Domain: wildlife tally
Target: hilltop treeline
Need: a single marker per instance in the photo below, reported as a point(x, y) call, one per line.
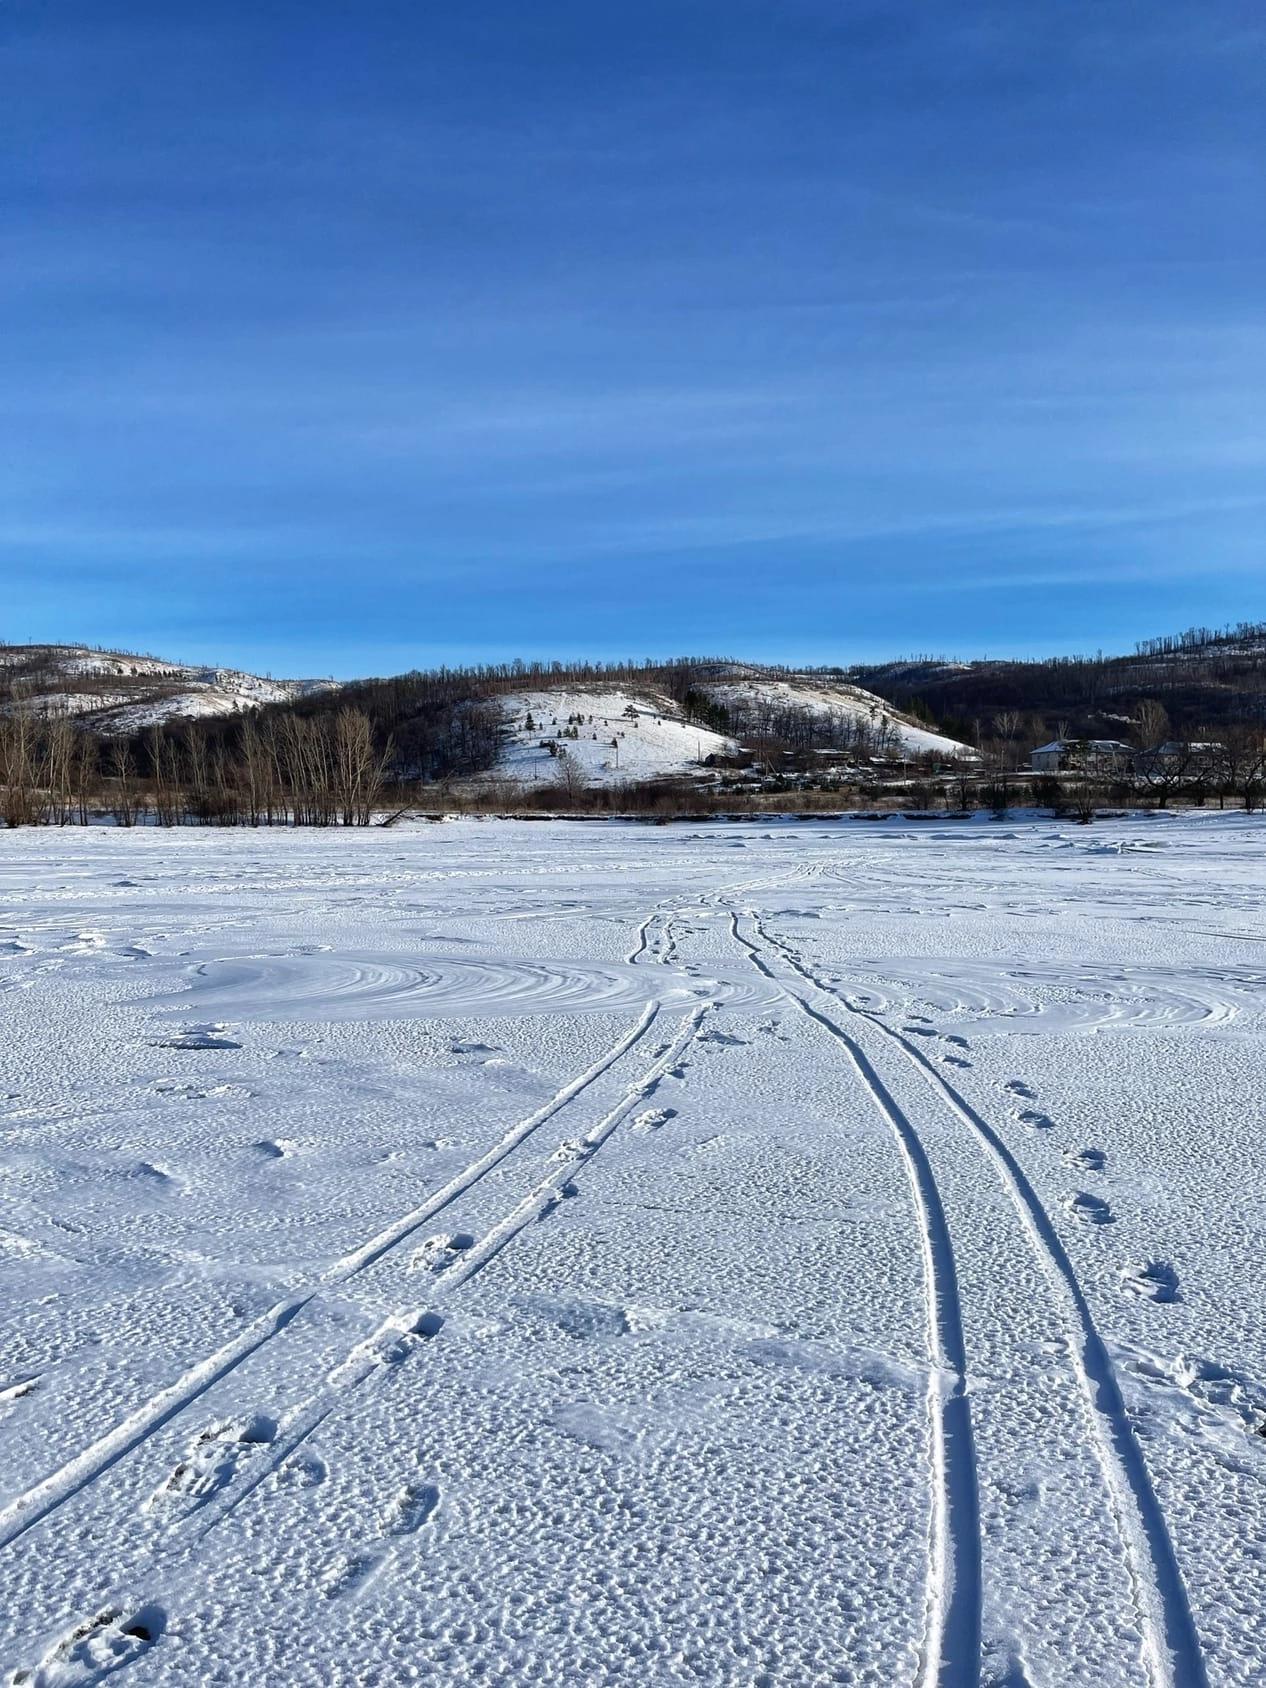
point(1205, 679)
point(1205, 639)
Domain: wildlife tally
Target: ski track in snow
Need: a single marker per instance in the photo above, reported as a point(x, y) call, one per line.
point(36, 1503)
point(393, 1343)
point(1173, 1654)
point(950, 1647)
point(869, 1051)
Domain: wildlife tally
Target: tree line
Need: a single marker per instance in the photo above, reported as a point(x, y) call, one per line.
point(1206, 680)
point(287, 770)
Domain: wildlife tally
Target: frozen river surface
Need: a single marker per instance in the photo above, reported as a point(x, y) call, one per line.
point(592, 1254)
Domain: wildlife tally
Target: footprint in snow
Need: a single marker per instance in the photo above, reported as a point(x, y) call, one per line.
point(1222, 1386)
point(653, 1118)
point(953, 1061)
point(1010, 1674)
point(1091, 1210)
point(150, 1172)
point(212, 1459)
point(199, 1037)
point(391, 1345)
point(1017, 1087)
point(1157, 1280)
point(413, 1507)
point(1035, 1121)
point(17, 1387)
point(96, 1648)
point(1087, 1160)
point(351, 1574)
point(438, 1253)
point(572, 1149)
point(303, 1470)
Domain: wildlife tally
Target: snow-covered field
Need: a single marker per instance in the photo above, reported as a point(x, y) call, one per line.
point(528, 1253)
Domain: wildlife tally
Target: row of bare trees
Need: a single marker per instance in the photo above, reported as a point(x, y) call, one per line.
point(47, 770)
point(325, 770)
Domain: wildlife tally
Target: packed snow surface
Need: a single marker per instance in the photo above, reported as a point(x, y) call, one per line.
point(532, 1253)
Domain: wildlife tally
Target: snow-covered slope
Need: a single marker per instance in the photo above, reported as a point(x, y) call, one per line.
point(115, 692)
point(758, 702)
point(627, 734)
point(615, 732)
point(621, 735)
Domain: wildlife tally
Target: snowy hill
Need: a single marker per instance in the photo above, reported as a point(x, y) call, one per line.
point(821, 707)
point(116, 692)
point(622, 726)
point(614, 734)
point(626, 734)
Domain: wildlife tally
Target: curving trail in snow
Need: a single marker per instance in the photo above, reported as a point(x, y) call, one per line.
point(43, 1497)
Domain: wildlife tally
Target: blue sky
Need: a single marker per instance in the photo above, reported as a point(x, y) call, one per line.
point(347, 337)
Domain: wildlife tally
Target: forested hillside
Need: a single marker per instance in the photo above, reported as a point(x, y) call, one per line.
point(82, 731)
point(1205, 679)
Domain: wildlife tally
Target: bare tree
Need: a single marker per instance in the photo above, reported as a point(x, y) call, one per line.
point(1007, 724)
point(571, 774)
point(1150, 723)
point(1240, 763)
point(359, 769)
point(19, 778)
point(122, 769)
point(1164, 770)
